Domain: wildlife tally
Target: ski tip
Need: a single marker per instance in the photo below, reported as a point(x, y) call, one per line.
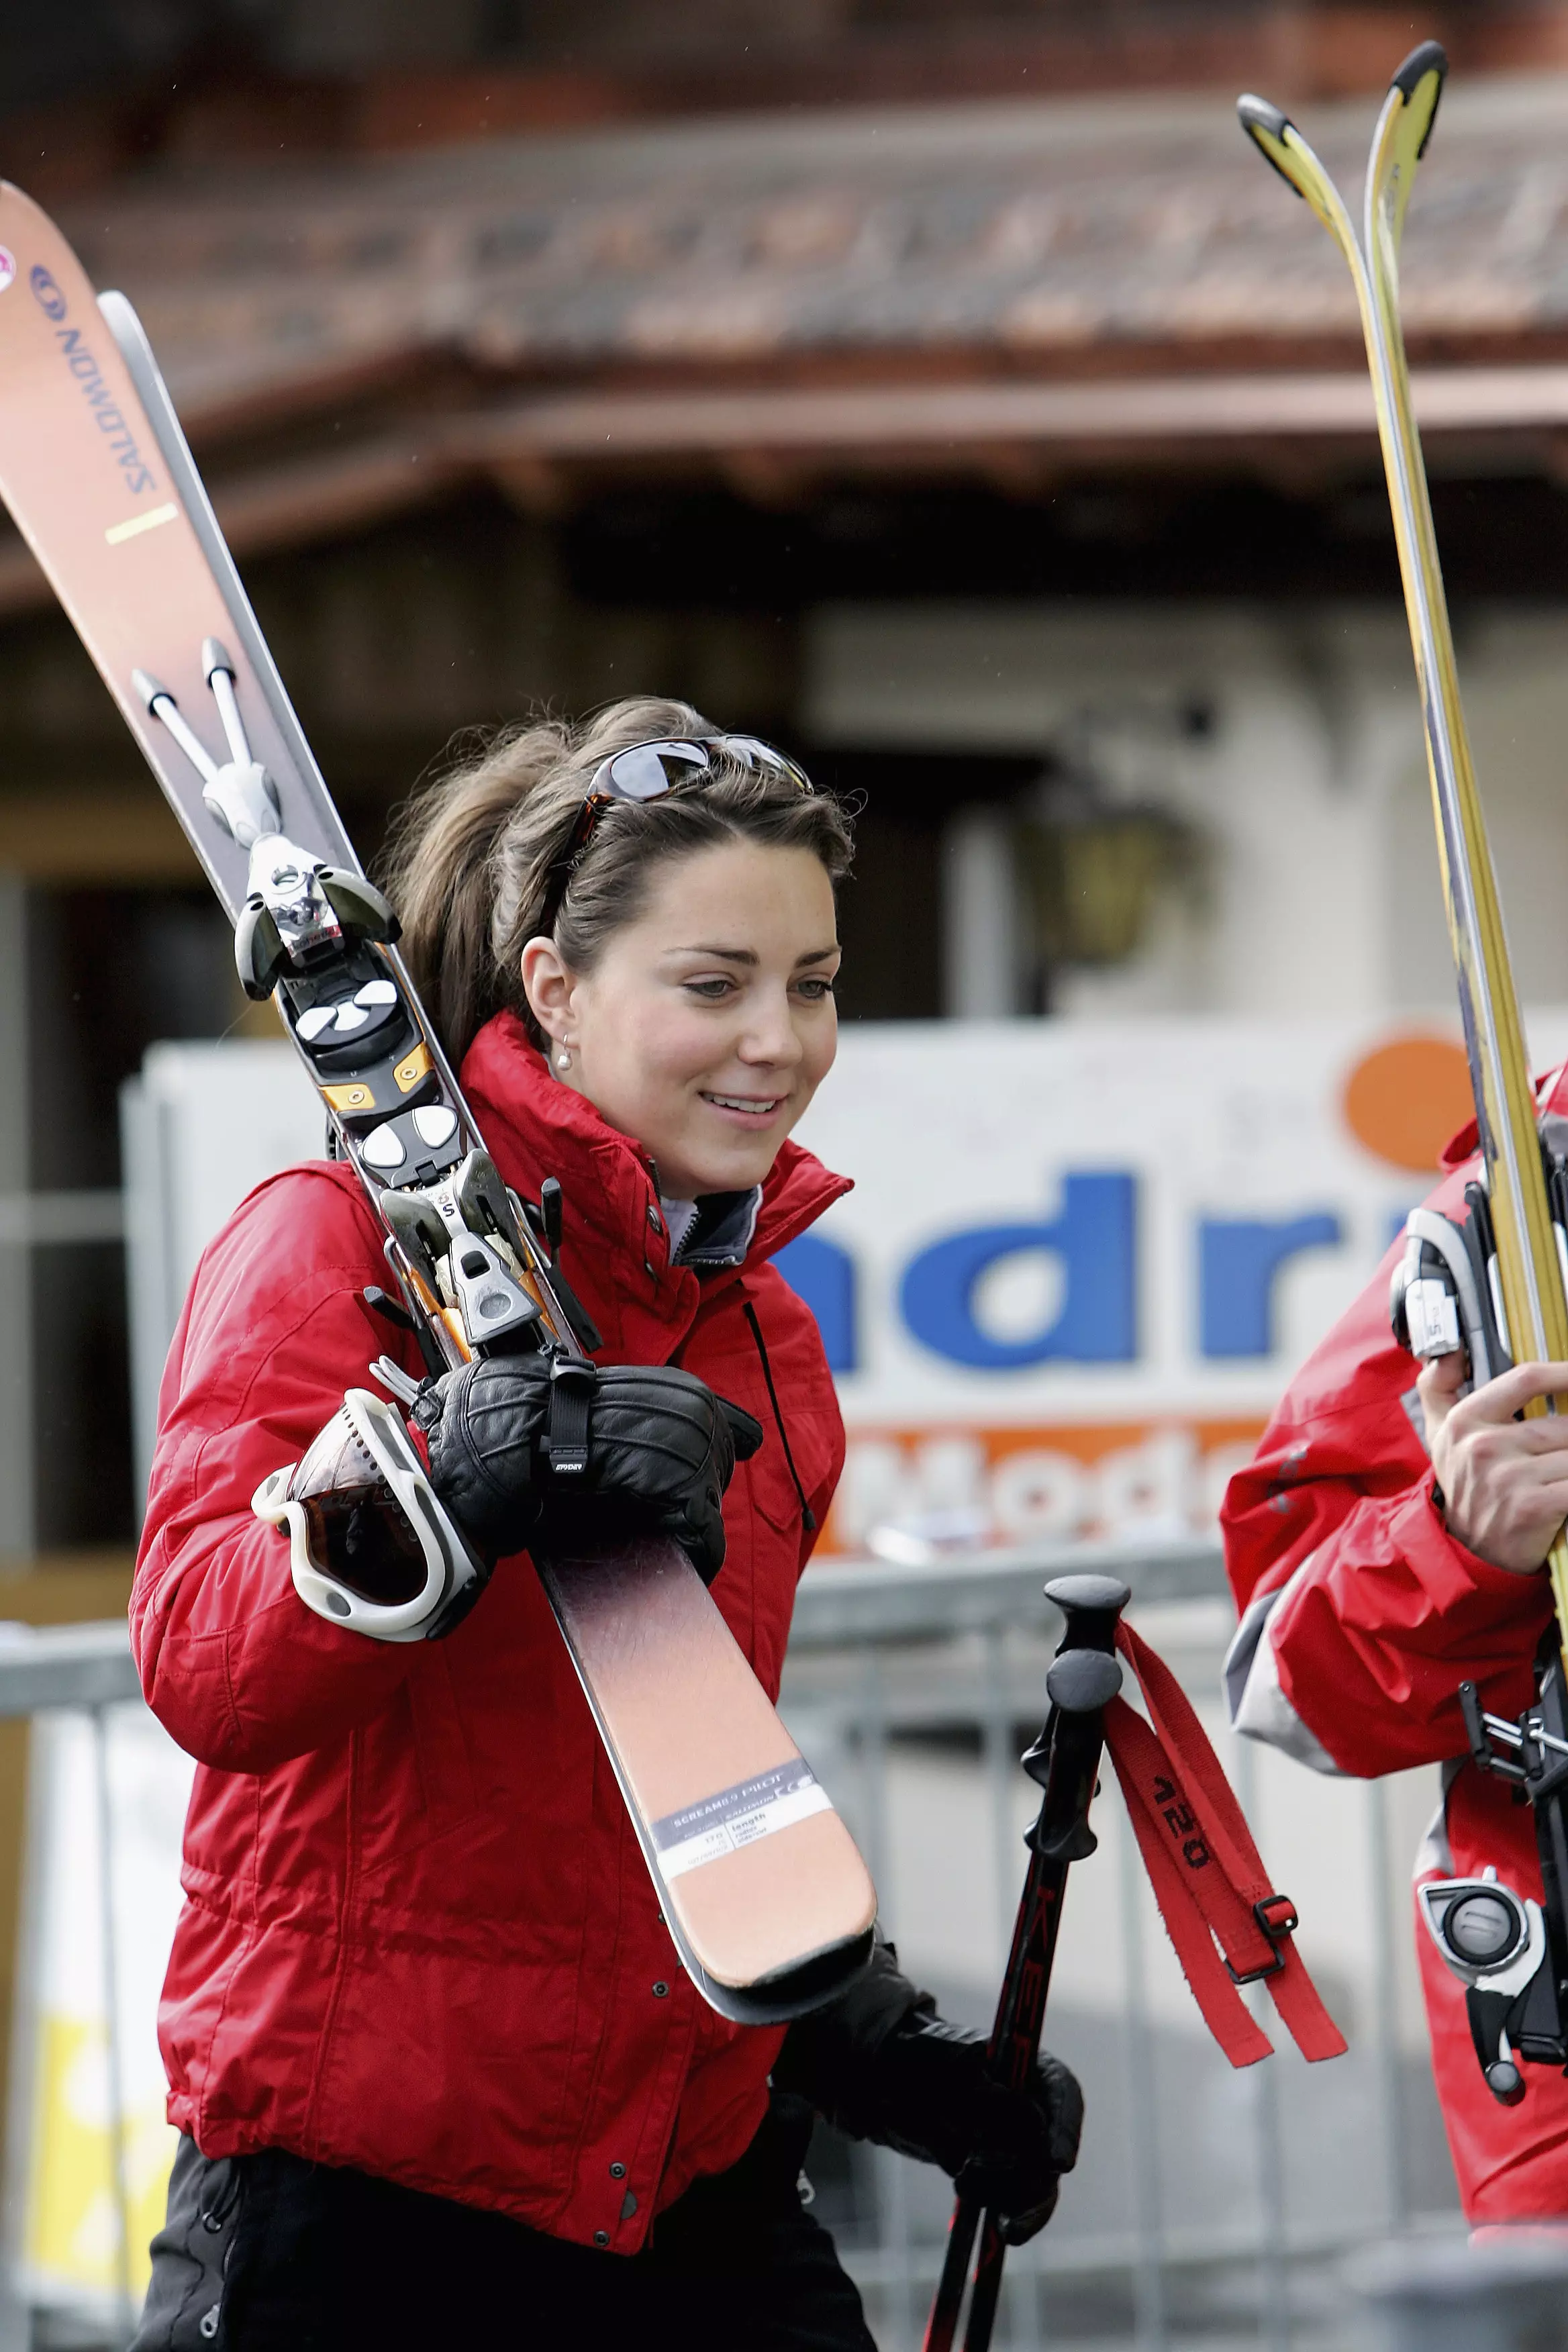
point(1266, 125)
point(1428, 58)
point(1257, 114)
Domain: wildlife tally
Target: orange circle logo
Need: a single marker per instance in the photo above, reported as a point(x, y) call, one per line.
point(1404, 1099)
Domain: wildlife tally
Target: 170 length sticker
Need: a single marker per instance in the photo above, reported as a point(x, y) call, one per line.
point(735, 1816)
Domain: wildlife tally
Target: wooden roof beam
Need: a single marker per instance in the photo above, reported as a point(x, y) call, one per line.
point(771, 445)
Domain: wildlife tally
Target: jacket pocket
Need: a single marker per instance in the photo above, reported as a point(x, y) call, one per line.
point(771, 1487)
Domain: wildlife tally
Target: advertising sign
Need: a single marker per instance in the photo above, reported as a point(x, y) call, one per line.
point(1079, 1265)
point(1081, 1262)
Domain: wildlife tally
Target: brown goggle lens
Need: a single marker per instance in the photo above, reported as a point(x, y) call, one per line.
point(356, 1530)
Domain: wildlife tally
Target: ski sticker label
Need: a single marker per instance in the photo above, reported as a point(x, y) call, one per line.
point(120, 531)
point(739, 1816)
point(81, 361)
point(7, 267)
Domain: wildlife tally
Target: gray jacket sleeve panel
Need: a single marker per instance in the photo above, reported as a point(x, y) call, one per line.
point(1260, 1708)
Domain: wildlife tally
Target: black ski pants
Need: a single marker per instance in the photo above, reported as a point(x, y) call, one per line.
point(268, 2253)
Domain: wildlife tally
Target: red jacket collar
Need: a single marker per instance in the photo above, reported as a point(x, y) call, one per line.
point(1551, 1094)
point(534, 1127)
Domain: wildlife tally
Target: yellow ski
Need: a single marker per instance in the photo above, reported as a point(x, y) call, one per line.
point(1530, 1274)
point(1510, 1952)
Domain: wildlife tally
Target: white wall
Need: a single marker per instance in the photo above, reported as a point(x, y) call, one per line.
point(1322, 894)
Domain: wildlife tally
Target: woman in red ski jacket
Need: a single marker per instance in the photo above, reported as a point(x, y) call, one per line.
point(433, 2059)
point(1386, 1544)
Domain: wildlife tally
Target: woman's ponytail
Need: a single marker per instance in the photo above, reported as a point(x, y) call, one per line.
point(468, 859)
point(441, 875)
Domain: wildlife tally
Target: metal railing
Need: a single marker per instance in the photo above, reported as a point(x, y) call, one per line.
point(89, 1669)
point(1207, 2208)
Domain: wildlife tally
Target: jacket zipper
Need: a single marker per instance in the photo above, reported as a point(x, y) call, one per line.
point(807, 1516)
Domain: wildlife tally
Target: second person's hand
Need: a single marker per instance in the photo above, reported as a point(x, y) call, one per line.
point(1504, 1482)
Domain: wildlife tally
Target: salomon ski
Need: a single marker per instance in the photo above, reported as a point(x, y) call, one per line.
point(770, 1905)
point(1494, 1284)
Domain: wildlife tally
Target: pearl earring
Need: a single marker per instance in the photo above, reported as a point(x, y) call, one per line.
point(564, 1058)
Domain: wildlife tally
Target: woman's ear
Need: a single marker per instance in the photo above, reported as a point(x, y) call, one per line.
point(547, 984)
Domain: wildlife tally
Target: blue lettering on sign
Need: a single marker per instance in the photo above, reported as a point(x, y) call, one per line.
point(1095, 1239)
point(1237, 1264)
point(823, 1275)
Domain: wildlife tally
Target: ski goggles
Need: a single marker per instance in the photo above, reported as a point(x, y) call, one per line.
point(647, 772)
point(370, 1545)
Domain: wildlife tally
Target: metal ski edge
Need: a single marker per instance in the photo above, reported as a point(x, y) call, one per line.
point(332, 837)
point(1501, 1076)
point(130, 336)
point(805, 1984)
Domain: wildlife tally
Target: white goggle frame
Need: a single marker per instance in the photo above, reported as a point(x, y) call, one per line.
point(450, 1566)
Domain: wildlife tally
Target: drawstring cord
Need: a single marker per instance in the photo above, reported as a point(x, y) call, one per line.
point(807, 1516)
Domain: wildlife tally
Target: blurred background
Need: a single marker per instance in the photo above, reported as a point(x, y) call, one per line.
point(951, 395)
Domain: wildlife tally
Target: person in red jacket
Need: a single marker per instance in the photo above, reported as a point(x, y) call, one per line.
point(439, 2074)
point(1387, 1543)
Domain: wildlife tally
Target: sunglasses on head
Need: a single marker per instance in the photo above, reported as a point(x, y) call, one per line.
point(647, 772)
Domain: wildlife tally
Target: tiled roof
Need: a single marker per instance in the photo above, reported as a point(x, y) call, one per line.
point(1002, 289)
point(1081, 236)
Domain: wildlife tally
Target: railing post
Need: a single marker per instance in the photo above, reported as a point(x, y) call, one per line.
point(1385, 1928)
point(1143, 2105)
point(1005, 1782)
point(886, 2169)
point(1274, 2330)
point(113, 2055)
point(17, 1401)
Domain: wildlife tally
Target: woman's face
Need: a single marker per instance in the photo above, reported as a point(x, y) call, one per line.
point(709, 1024)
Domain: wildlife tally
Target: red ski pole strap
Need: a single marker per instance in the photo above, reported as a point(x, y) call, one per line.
point(1228, 1927)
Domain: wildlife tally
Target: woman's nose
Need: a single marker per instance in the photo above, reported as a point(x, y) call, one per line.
point(770, 1034)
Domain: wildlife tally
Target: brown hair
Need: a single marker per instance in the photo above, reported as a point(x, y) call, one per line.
point(469, 856)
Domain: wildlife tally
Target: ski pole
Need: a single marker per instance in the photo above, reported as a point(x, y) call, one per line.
point(1084, 1677)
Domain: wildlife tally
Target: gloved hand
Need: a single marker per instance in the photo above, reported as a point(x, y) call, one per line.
point(657, 1449)
point(880, 2064)
point(1007, 2148)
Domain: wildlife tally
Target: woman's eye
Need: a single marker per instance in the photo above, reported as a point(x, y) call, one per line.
point(815, 990)
point(712, 990)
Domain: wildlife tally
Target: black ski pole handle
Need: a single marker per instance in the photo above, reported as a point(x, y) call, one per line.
point(1085, 1675)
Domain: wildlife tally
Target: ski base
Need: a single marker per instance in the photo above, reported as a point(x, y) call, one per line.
point(763, 1888)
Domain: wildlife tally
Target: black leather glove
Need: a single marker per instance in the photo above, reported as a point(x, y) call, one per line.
point(524, 1450)
point(880, 2064)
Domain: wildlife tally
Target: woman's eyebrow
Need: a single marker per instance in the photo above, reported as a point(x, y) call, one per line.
point(749, 955)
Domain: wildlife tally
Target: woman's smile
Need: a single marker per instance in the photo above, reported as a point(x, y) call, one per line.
point(756, 1109)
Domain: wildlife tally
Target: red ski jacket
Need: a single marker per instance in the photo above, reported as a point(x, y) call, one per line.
point(418, 1935)
point(1361, 1616)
